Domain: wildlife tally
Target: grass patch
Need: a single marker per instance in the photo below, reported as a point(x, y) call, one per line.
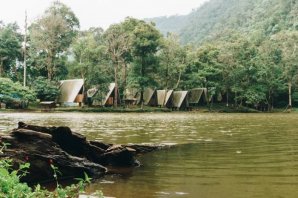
point(135, 109)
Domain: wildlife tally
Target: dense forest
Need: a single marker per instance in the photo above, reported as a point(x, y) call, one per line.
point(244, 52)
point(217, 19)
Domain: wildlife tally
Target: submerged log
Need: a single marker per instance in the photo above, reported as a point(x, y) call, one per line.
point(71, 152)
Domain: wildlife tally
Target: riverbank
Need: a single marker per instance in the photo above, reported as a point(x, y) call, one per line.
point(215, 108)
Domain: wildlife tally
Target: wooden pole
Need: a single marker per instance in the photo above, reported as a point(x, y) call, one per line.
point(25, 51)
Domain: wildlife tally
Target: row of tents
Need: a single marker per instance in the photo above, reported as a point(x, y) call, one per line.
point(72, 92)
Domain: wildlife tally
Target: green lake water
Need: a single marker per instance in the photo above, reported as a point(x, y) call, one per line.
point(217, 155)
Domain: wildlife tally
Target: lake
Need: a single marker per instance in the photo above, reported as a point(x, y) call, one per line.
point(217, 155)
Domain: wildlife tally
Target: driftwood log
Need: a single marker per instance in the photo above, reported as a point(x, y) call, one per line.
point(71, 152)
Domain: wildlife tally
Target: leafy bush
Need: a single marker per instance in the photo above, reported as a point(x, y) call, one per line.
point(13, 92)
point(45, 89)
point(295, 98)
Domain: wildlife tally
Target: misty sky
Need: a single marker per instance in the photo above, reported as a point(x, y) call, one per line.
point(97, 13)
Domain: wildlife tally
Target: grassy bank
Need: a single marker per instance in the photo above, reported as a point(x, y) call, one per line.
point(111, 109)
point(215, 108)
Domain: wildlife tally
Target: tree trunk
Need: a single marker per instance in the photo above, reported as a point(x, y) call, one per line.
point(1, 68)
point(270, 102)
point(167, 77)
point(179, 78)
point(290, 95)
point(235, 100)
point(116, 86)
point(124, 79)
point(51, 64)
point(142, 86)
point(227, 98)
point(50, 68)
point(71, 152)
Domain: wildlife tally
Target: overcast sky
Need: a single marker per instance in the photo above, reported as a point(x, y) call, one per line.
point(97, 13)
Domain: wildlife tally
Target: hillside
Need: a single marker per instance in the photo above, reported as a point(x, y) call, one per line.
point(170, 24)
point(218, 18)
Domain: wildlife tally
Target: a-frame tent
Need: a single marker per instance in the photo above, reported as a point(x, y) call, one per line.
point(71, 91)
point(161, 97)
point(169, 99)
point(149, 97)
point(109, 100)
point(180, 99)
point(197, 95)
point(165, 98)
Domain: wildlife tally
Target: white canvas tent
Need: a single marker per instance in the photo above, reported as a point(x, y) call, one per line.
point(71, 91)
point(197, 94)
point(149, 97)
point(109, 99)
point(164, 98)
point(161, 97)
point(180, 99)
point(169, 99)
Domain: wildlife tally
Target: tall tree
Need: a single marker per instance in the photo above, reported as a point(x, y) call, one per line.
point(118, 43)
point(287, 42)
point(246, 86)
point(10, 48)
point(90, 60)
point(270, 71)
point(146, 43)
point(51, 36)
point(173, 58)
point(205, 70)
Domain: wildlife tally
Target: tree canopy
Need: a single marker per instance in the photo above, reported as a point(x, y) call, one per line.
point(51, 35)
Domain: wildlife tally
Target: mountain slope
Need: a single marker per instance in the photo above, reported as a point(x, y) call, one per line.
point(217, 18)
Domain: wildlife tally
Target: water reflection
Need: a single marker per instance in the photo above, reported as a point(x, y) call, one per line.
point(221, 155)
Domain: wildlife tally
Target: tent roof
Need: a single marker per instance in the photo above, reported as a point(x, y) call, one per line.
point(161, 96)
point(168, 96)
point(148, 93)
point(69, 89)
point(196, 94)
point(178, 98)
point(111, 89)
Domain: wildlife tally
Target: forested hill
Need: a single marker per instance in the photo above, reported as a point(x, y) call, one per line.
point(218, 18)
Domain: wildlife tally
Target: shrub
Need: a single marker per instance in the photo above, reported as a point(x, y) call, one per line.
point(13, 92)
point(45, 89)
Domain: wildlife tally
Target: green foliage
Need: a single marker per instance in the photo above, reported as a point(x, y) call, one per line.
point(247, 52)
point(295, 98)
point(118, 45)
point(173, 61)
point(146, 42)
point(14, 92)
point(205, 69)
point(45, 89)
point(50, 36)
point(216, 19)
point(10, 48)
point(90, 61)
point(12, 187)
